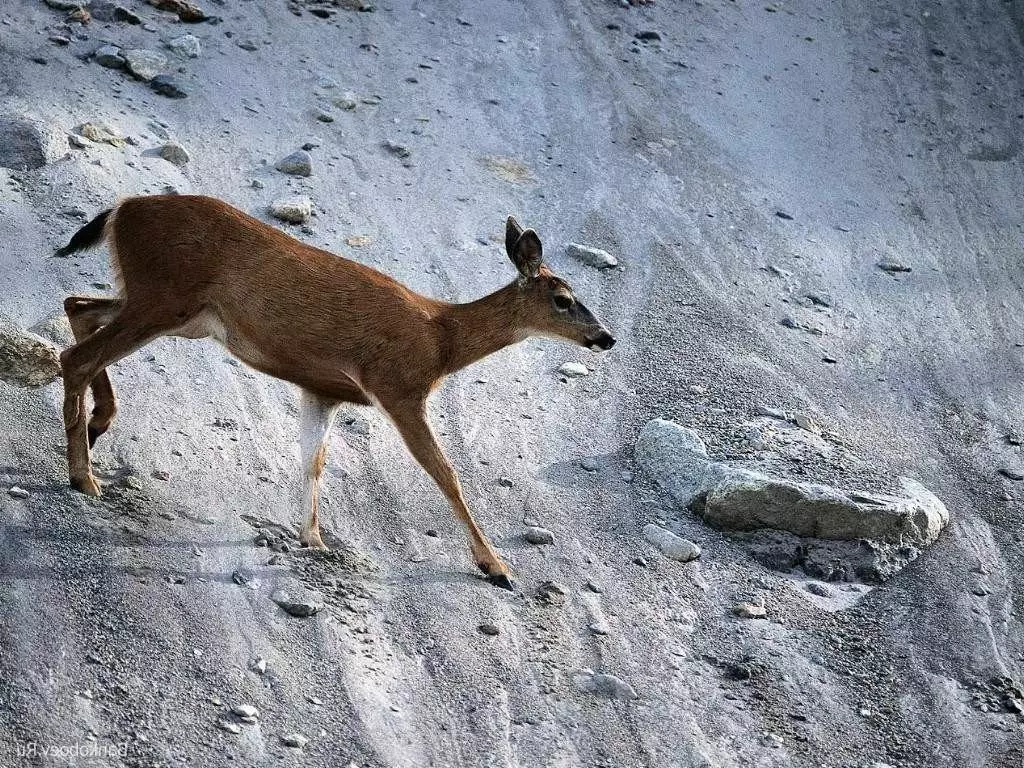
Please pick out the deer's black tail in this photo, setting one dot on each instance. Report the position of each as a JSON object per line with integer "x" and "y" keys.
{"x": 87, "y": 237}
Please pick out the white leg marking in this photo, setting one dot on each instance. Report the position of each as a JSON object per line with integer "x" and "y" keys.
{"x": 316, "y": 415}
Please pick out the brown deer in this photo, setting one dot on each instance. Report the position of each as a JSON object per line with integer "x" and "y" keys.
{"x": 344, "y": 333}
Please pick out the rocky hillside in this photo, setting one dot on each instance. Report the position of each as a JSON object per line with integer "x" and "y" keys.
{"x": 779, "y": 524}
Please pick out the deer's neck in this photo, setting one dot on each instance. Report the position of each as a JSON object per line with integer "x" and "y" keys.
{"x": 480, "y": 328}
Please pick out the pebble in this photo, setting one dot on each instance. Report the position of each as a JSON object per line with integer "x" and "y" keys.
{"x": 537, "y": 535}
{"x": 750, "y": 611}
{"x": 186, "y": 46}
{"x": 247, "y": 712}
{"x": 167, "y": 86}
{"x": 605, "y": 685}
{"x": 573, "y": 370}
{"x": 229, "y": 726}
{"x": 294, "y": 740}
{"x": 819, "y": 589}
{"x": 174, "y": 154}
{"x": 17, "y": 493}
{"x": 594, "y": 257}
{"x": 298, "y": 163}
{"x": 672, "y": 546}
{"x": 505, "y": 482}
{"x": 589, "y": 463}
{"x": 893, "y": 267}
{"x": 398, "y": 150}
{"x": 109, "y": 56}
{"x": 648, "y": 35}
{"x": 593, "y": 587}
{"x": 489, "y": 629}
{"x": 144, "y": 64}
{"x": 161, "y": 474}
{"x": 294, "y": 210}
{"x": 302, "y": 607}
{"x": 552, "y": 592}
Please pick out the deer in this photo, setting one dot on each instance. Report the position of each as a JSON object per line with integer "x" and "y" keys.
{"x": 196, "y": 267}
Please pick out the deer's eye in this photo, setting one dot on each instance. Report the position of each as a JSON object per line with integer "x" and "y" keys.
{"x": 562, "y": 302}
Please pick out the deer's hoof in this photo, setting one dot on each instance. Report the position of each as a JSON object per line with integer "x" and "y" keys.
{"x": 86, "y": 485}
{"x": 313, "y": 541}
{"x": 502, "y": 581}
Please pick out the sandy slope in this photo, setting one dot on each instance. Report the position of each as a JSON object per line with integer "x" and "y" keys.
{"x": 121, "y": 619}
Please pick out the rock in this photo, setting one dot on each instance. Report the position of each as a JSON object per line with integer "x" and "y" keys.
{"x": 489, "y": 629}
{"x": 819, "y": 589}
{"x": 105, "y": 11}
{"x": 677, "y": 460}
{"x": 186, "y": 46}
{"x": 101, "y": 132}
{"x": 246, "y": 712}
{"x": 302, "y": 606}
{"x": 648, "y": 36}
{"x": 1012, "y": 473}
{"x": 594, "y": 257}
{"x": 144, "y": 64}
{"x": 590, "y": 464}
{"x": 573, "y": 370}
{"x": 26, "y": 360}
{"x": 294, "y": 210}
{"x": 398, "y": 150}
{"x": 505, "y": 482}
{"x": 784, "y": 216}
{"x": 26, "y": 144}
{"x": 65, "y": 5}
{"x": 671, "y": 546}
{"x": 552, "y": 592}
{"x": 17, "y": 493}
{"x": 56, "y": 328}
{"x": 294, "y": 740}
{"x": 601, "y": 684}
{"x": 174, "y": 154}
{"x": 750, "y": 611}
{"x": 298, "y": 163}
{"x": 228, "y": 726}
{"x": 161, "y": 474}
{"x": 167, "y": 86}
{"x": 893, "y": 267}
{"x": 537, "y": 535}
{"x": 109, "y": 56}
{"x": 186, "y": 11}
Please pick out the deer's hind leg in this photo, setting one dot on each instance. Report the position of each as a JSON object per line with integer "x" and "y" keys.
{"x": 86, "y": 316}
{"x": 316, "y": 415}
{"x": 123, "y": 334}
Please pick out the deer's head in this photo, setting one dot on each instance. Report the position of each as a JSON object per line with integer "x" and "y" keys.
{"x": 549, "y": 306}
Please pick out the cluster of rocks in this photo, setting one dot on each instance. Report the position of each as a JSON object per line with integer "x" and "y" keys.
{"x": 1000, "y": 694}
{"x": 831, "y": 534}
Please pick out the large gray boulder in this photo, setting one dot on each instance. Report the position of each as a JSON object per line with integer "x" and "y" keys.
{"x": 26, "y": 360}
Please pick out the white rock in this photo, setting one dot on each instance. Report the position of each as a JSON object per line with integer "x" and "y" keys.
{"x": 750, "y": 611}
{"x": 294, "y": 210}
{"x": 537, "y": 535}
{"x": 671, "y": 546}
{"x": 604, "y": 685}
{"x": 144, "y": 64}
{"x": 574, "y": 370}
{"x": 17, "y": 493}
{"x": 186, "y": 46}
{"x": 175, "y": 154}
{"x": 246, "y": 711}
{"x": 294, "y": 740}
{"x": 593, "y": 257}
{"x": 26, "y": 360}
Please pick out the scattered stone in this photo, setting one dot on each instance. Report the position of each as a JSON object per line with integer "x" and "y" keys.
{"x": 590, "y": 464}
{"x": 1011, "y": 473}
{"x": 294, "y": 210}
{"x": 167, "y": 86}
{"x": 347, "y": 101}
{"x": 893, "y": 267}
{"x": 25, "y": 144}
{"x": 246, "y": 713}
{"x": 552, "y": 593}
{"x": 489, "y": 629}
{"x": 105, "y": 11}
{"x": 187, "y": 12}
{"x": 26, "y": 360}
{"x": 505, "y": 482}
{"x": 594, "y": 257}
{"x": 161, "y": 474}
{"x": 671, "y": 546}
{"x": 101, "y": 132}
{"x": 771, "y": 413}
{"x": 819, "y": 589}
{"x": 806, "y": 423}
{"x": 64, "y": 5}
{"x": 784, "y": 216}
{"x": 750, "y": 611}
{"x": 601, "y": 684}
{"x": 294, "y": 740}
{"x": 573, "y": 370}
{"x": 358, "y": 241}
{"x": 398, "y": 150}
{"x": 298, "y": 163}
{"x": 648, "y": 36}
{"x": 599, "y": 628}
{"x": 537, "y": 535}
{"x": 109, "y": 56}
{"x": 17, "y": 493}
{"x": 144, "y": 64}
{"x": 174, "y": 154}
{"x": 593, "y": 587}
{"x": 228, "y": 726}
{"x": 302, "y": 607}
{"x": 186, "y": 46}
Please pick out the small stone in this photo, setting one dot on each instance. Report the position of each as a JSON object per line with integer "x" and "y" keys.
{"x": 552, "y": 592}
{"x": 133, "y": 482}
{"x": 432, "y": 533}
{"x": 805, "y": 422}
{"x": 505, "y": 482}
{"x": 186, "y": 46}
{"x": 672, "y": 546}
{"x": 228, "y": 726}
{"x": 26, "y": 360}
{"x": 648, "y": 36}
{"x": 784, "y": 216}
{"x": 573, "y": 370}
{"x": 819, "y": 589}
{"x": 167, "y": 86}
{"x": 1011, "y": 473}
{"x": 593, "y": 587}
{"x": 750, "y": 611}
{"x": 398, "y": 150}
{"x": 893, "y": 267}
{"x": 109, "y": 56}
{"x": 106, "y": 11}
{"x": 599, "y": 628}
{"x": 17, "y": 493}
{"x": 174, "y": 154}
{"x": 593, "y": 257}
{"x": 298, "y": 163}
{"x": 294, "y": 740}
{"x": 981, "y": 591}
{"x": 771, "y": 413}
{"x": 303, "y": 607}
{"x": 609, "y": 686}
{"x": 294, "y": 210}
{"x": 161, "y": 474}
{"x": 590, "y": 464}
{"x": 489, "y": 629}
{"x": 246, "y": 711}
{"x": 259, "y": 665}
{"x": 144, "y": 64}
{"x": 537, "y": 535}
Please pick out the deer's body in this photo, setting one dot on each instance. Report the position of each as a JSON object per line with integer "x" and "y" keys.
{"x": 343, "y": 332}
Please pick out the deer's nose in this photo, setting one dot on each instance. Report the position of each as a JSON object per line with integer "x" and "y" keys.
{"x": 602, "y": 342}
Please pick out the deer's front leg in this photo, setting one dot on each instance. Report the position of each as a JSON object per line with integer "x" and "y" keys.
{"x": 410, "y": 417}
{"x": 316, "y": 414}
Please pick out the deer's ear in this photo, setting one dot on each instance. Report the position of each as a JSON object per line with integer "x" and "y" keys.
{"x": 512, "y": 234}
{"x": 527, "y": 254}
